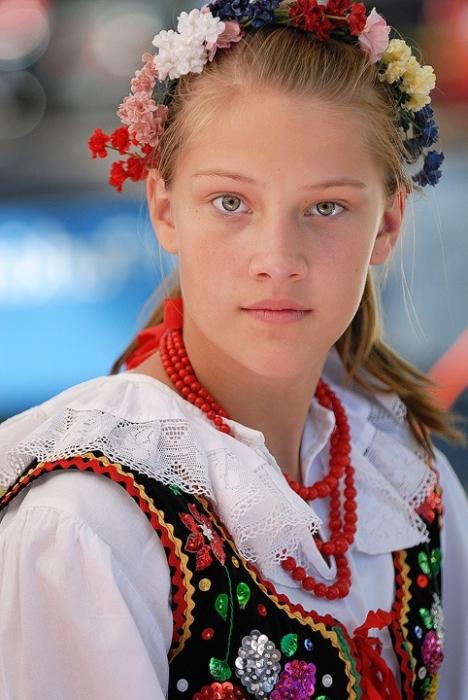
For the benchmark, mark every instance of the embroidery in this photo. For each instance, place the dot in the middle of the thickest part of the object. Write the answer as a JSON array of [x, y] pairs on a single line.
[[233, 621]]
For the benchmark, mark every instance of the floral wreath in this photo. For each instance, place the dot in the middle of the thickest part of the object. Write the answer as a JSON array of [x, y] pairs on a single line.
[[221, 23]]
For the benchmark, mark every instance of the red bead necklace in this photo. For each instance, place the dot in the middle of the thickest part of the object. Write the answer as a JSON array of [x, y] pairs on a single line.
[[337, 484]]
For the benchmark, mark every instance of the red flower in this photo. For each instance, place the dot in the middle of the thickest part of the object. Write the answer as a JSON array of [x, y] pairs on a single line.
[[338, 7], [310, 16], [97, 143], [120, 139], [357, 18], [200, 527], [118, 175], [136, 168], [220, 691]]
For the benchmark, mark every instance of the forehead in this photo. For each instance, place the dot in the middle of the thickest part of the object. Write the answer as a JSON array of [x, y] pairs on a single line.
[[270, 133]]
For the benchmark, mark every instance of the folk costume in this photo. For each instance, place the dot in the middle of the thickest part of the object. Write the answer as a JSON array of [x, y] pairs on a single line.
[[176, 591], [151, 546]]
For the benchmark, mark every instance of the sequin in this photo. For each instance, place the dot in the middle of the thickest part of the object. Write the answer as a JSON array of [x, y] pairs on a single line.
[[322, 697], [327, 680], [204, 585], [438, 617], [418, 632], [243, 594], [422, 581], [235, 562], [432, 652], [219, 670], [422, 673], [222, 605], [182, 685], [207, 633], [257, 664], [288, 644], [423, 561], [296, 682], [436, 557], [220, 691], [261, 610], [426, 618], [308, 644]]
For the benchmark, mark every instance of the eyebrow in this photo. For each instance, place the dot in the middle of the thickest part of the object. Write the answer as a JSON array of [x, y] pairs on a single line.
[[243, 178]]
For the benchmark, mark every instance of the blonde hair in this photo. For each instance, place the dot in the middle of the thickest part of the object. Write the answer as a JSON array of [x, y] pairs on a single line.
[[296, 63]]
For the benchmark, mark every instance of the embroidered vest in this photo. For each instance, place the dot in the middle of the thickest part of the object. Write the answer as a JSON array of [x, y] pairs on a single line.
[[234, 636]]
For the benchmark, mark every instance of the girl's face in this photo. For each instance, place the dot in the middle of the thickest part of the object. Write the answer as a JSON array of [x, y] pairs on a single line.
[[277, 200]]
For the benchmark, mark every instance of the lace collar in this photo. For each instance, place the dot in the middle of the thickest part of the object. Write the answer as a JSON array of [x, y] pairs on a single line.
[[140, 422]]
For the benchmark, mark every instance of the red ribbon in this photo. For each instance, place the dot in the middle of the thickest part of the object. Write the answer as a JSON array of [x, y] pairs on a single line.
[[148, 339], [378, 681]]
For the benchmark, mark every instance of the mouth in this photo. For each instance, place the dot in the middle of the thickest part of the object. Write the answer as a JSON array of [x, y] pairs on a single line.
[[277, 316]]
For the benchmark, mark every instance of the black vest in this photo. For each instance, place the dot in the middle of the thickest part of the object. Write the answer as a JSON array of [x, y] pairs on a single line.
[[230, 625]]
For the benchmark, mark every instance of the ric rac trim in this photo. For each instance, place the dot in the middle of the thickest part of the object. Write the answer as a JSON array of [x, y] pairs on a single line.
[[182, 593]]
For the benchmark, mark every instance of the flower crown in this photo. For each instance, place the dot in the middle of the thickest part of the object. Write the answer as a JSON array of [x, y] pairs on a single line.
[[221, 23]]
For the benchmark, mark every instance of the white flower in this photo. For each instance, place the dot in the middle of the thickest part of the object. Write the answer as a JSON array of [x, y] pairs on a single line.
[[200, 25], [185, 51]]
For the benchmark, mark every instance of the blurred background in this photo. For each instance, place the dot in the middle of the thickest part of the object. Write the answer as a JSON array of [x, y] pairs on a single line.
[[78, 260]]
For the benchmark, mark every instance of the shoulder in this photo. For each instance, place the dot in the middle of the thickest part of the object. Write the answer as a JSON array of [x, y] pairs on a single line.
[[133, 419]]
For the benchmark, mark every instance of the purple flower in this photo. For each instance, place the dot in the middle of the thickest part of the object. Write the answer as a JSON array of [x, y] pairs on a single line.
[[430, 173], [296, 682]]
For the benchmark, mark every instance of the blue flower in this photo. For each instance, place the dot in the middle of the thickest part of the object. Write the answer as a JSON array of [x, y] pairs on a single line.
[[228, 10], [260, 12], [430, 173], [428, 131]]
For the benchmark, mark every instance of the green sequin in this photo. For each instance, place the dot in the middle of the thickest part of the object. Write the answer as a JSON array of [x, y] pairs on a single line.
[[175, 490], [222, 605], [436, 556], [423, 561], [322, 697], [219, 670], [426, 618], [426, 685], [243, 594], [289, 644]]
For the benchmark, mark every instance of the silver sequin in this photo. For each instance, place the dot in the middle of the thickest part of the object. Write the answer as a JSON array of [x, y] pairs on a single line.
[[422, 673], [327, 680], [438, 617], [257, 664], [182, 685]]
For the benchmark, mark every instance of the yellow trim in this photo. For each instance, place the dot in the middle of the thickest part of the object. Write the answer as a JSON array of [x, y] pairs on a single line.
[[183, 558], [406, 597]]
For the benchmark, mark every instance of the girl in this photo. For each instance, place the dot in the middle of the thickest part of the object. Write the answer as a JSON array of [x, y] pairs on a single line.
[[275, 521]]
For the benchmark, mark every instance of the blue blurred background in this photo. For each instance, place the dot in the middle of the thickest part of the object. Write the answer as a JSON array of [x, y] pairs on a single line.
[[78, 261]]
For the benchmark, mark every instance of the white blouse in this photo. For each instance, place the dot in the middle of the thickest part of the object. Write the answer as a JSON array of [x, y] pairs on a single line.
[[85, 586]]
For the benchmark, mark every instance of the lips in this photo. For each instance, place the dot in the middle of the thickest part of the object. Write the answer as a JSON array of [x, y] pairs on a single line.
[[276, 305]]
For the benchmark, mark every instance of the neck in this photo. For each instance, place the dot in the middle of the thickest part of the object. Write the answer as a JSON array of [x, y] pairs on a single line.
[[276, 407]]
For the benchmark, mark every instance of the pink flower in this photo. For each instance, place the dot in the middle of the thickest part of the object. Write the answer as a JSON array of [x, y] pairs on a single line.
[[230, 35], [144, 118], [374, 39], [145, 78]]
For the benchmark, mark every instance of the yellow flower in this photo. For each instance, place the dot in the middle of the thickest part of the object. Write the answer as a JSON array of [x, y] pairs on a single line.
[[396, 57], [397, 51], [418, 81]]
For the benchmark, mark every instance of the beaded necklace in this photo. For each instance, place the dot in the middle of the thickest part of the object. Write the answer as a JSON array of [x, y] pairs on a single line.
[[338, 484]]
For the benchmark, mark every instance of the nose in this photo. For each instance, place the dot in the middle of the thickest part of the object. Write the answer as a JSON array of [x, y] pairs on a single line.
[[278, 254]]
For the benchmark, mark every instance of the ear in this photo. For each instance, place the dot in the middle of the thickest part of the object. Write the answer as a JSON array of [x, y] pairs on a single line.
[[389, 229], [160, 211]]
